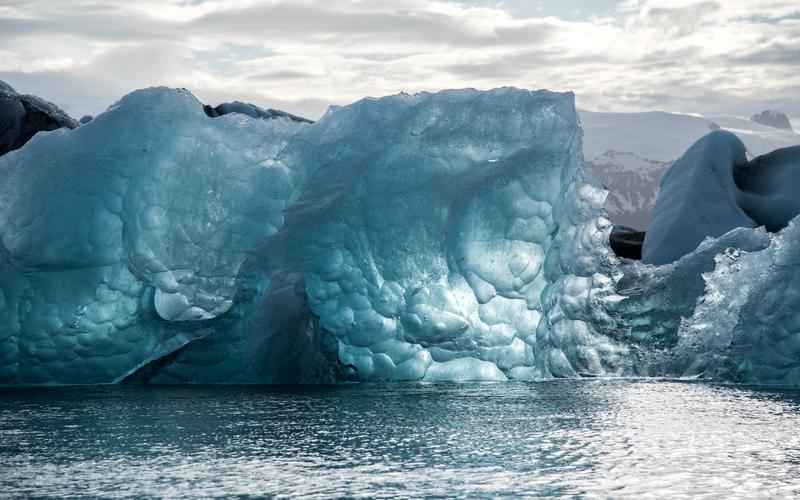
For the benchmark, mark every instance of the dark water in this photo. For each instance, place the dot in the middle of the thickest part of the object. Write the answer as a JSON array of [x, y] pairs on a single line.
[[562, 439]]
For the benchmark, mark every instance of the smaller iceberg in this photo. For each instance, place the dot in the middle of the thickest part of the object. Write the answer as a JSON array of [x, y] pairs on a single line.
[[713, 189], [698, 199], [723, 301], [23, 116]]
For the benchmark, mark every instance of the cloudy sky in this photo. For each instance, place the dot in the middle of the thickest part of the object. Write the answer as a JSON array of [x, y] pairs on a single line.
[[724, 56]]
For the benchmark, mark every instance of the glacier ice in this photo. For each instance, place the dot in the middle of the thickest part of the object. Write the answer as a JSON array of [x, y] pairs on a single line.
[[116, 230], [728, 311], [22, 116], [713, 188], [445, 236], [768, 188], [698, 198], [627, 242]]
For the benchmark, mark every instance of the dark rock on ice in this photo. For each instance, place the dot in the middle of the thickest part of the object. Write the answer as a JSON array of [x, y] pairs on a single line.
[[627, 242], [250, 110]]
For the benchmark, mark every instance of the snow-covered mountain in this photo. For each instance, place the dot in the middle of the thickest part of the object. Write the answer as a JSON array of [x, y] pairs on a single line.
[[628, 152]]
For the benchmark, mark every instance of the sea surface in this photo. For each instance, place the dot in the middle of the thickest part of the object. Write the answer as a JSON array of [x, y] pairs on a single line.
[[584, 439]]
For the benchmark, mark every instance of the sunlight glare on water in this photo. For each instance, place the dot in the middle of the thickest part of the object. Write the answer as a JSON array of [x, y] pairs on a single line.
[[619, 438]]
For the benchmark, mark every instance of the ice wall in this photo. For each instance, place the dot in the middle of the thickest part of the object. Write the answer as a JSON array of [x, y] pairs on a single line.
[[435, 237], [452, 236], [113, 232], [444, 236], [727, 309]]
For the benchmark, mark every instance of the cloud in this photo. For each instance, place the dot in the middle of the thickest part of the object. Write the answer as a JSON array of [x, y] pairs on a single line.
[[344, 23], [284, 74], [679, 55], [682, 21], [92, 21], [771, 54]]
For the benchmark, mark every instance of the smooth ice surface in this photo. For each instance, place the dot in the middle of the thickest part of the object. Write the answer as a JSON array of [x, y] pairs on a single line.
[[698, 199], [446, 236], [713, 189], [769, 187]]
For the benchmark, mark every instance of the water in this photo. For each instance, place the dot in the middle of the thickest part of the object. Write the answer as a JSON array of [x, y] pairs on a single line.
[[563, 439]]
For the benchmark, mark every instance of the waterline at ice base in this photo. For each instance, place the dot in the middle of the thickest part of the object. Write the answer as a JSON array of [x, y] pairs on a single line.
[[446, 236]]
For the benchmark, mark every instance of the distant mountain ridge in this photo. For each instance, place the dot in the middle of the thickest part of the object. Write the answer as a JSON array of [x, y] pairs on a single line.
[[774, 119]]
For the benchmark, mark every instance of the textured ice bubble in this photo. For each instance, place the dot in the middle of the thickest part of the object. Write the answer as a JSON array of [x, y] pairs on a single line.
[[136, 220], [447, 236], [461, 227]]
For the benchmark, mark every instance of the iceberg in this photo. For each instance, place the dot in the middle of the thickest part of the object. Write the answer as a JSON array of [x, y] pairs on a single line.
[[116, 232], [629, 152], [727, 311], [22, 116], [697, 199], [445, 236], [713, 188], [745, 328], [768, 188], [450, 236]]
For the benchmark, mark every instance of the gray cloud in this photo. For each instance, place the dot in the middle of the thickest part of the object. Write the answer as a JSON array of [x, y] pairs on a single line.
[[302, 55], [778, 53], [285, 74], [770, 19], [324, 21], [517, 64], [91, 21], [682, 21]]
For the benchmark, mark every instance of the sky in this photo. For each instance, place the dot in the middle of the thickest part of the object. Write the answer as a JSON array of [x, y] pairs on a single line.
[[706, 57]]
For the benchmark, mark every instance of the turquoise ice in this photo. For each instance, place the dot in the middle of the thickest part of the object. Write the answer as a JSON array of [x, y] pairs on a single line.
[[443, 236], [431, 236]]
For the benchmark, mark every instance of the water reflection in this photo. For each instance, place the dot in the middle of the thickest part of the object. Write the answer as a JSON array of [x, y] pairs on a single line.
[[564, 438]]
